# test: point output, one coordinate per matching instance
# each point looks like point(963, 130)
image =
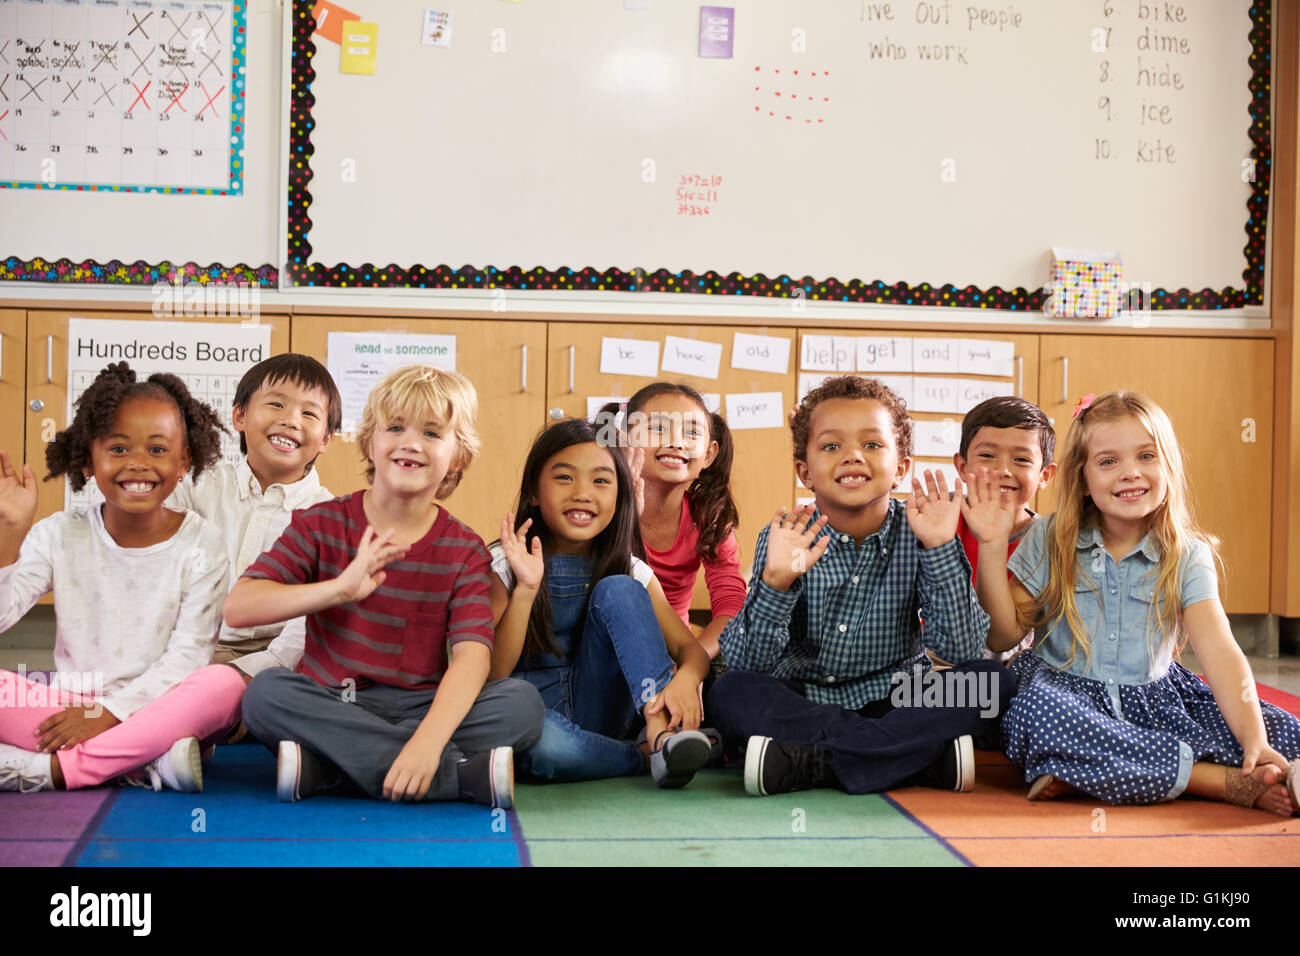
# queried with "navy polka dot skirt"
point(1067, 726)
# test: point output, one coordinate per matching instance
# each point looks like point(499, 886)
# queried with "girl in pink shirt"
point(689, 518)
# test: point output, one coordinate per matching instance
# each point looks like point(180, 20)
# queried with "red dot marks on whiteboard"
point(796, 93)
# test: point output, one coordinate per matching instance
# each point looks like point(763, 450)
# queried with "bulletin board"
point(130, 150)
point(904, 153)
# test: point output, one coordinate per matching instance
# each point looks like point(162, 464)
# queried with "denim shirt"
point(1114, 600)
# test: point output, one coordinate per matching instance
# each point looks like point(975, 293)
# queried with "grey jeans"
point(364, 737)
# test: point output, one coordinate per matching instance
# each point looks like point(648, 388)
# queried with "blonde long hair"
point(1172, 524)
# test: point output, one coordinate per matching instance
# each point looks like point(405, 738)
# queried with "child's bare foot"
point(1048, 787)
point(1264, 789)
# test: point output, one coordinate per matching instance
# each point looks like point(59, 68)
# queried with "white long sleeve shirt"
point(139, 620)
point(251, 521)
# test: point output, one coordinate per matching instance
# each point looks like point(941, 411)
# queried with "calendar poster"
point(122, 95)
point(210, 357)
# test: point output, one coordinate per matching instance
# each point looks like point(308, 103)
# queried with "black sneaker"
point(955, 768)
point(299, 773)
point(489, 778)
point(774, 767)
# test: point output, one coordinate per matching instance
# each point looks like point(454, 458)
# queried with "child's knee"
point(522, 712)
point(618, 589)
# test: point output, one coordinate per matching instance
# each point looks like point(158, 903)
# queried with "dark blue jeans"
point(595, 691)
point(874, 749)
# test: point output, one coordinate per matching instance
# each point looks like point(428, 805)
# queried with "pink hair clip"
point(1085, 403)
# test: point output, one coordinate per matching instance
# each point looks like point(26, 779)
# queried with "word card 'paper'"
point(329, 19)
point(755, 410)
point(884, 355)
point(900, 385)
point(717, 31)
point(437, 28)
point(360, 47)
point(629, 357)
point(808, 381)
point(358, 360)
point(976, 390)
point(936, 355)
point(936, 439)
point(935, 394)
point(692, 357)
point(210, 357)
point(987, 357)
point(761, 353)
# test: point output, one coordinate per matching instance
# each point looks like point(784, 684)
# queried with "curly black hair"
point(851, 386)
point(69, 453)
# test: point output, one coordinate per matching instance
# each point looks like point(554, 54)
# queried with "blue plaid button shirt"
point(853, 619)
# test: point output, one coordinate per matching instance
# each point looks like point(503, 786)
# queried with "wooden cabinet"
point(13, 384)
point(760, 478)
point(506, 363)
point(1219, 394)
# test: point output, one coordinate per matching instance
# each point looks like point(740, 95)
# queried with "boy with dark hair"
point(832, 619)
point(1014, 440)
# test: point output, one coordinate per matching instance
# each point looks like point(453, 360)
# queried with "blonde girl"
point(1118, 581)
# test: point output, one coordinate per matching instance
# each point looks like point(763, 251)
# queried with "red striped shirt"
point(401, 634)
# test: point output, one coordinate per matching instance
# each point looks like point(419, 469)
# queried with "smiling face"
point(284, 426)
point(1123, 474)
point(410, 459)
point(1014, 456)
point(141, 459)
point(577, 491)
point(852, 461)
point(674, 431)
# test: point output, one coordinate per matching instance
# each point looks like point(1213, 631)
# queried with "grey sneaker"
point(674, 764)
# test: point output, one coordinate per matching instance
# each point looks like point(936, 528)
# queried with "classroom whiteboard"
point(108, 236)
point(845, 145)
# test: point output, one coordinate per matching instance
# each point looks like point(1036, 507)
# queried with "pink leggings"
point(203, 705)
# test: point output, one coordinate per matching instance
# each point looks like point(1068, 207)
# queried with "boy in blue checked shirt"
point(829, 680)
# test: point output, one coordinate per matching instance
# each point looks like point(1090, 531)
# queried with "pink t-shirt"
point(677, 568)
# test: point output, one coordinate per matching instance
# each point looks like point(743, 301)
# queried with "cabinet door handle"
point(49, 359)
point(1065, 380)
point(1020, 376)
point(571, 350)
point(523, 369)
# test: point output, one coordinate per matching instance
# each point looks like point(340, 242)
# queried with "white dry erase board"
point(903, 152)
point(183, 96)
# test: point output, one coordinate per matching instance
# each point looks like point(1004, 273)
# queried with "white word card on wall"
point(126, 95)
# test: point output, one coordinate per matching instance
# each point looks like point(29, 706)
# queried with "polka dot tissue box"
point(1085, 284)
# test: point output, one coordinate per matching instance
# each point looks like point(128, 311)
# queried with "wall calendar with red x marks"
point(122, 95)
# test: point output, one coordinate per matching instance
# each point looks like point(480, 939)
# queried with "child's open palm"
point(790, 548)
point(933, 513)
point(990, 514)
point(527, 565)
point(17, 494)
point(360, 578)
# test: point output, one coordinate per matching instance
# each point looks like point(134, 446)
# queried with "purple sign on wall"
point(716, 31)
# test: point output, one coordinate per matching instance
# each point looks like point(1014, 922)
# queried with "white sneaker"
point(24, 770)
point(180, 768)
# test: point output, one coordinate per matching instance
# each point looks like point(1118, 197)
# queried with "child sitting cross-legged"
point(392, 691)
point(830, 632)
